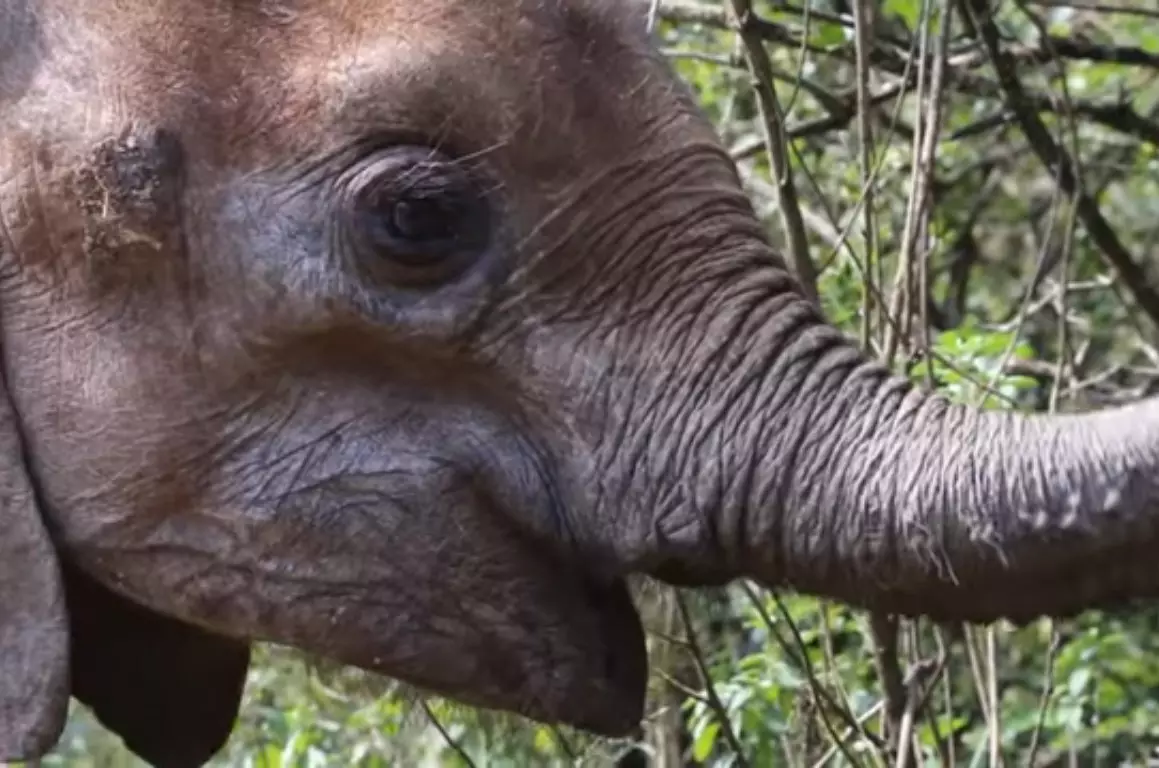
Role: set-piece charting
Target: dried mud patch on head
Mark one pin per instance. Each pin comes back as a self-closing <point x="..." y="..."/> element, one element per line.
<point x="129" y="191"/>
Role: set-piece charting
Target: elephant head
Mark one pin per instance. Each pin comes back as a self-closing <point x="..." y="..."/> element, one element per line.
<point x="404" y="333"/>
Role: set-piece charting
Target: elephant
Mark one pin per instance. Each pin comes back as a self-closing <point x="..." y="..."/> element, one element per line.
<point x="405" y="334"/>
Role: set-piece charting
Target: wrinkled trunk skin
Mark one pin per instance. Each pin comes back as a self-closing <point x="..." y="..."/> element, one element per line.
<point x="920" y="506"/>
<point x="735" y="433"/>
<point x="833" y="476"/>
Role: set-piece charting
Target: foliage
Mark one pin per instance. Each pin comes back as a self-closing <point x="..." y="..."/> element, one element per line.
<point x="1003" y="296"/>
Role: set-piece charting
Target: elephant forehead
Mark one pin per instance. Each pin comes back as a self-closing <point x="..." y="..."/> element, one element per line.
<point x="266" y="80"/>
<point x="555" y="81"/>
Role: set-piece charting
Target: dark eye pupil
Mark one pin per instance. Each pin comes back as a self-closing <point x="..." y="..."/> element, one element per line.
<point x="422" y="220"/>
<point x="416" y="223"/>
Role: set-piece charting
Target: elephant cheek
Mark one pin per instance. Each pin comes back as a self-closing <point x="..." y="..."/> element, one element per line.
<point x="413" y="575"/>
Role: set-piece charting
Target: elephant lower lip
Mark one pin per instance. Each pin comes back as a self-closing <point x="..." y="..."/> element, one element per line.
<point x="613" y="702"/>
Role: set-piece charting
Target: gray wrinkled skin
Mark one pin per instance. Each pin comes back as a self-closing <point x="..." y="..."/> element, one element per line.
<point x="242" y="424"/>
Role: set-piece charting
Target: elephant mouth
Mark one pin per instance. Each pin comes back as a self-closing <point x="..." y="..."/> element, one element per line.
<point x="610" y="684"/>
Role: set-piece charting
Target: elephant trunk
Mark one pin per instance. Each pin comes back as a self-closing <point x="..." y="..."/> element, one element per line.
<point x="739" y="434"/>
<point x="871" y="491"/>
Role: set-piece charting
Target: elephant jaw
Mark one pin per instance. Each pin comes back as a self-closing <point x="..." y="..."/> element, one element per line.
<point x="594" y="681"/>
<point x="600" y="684"/>
<point x="611" y="701"/>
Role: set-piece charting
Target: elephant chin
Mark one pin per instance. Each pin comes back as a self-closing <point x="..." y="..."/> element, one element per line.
<point x="589" y="669"/>
<point x="610" y="702"/>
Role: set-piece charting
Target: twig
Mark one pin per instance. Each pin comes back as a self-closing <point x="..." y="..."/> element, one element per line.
<point x="712" y="699"/>
<point x="1090" y="5"/>
<point x="454" y="745"/>
<point x="917" y="694"/>
<point x="653" y="13"/>
<point x="776" y="146"/>
<point x="1058" y="160"/>
<point x="839" y="747"/>
<point x="995" y="732"/>
<point x="884" y="631"/>
<point x="1047" y="693"/>
<point x="815" y="686"/>
<point x="863" y="26"/>
<point x="969" y="642"/>
<point x="900" y="308"/>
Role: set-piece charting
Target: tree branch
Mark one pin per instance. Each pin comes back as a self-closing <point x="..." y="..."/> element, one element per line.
<point x="1058" y="162"/>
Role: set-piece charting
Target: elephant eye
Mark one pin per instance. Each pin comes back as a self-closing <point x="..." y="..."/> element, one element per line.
<point x="419" y="219"/>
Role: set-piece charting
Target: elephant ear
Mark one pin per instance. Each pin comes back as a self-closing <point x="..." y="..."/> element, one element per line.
<point x="34" y="641"/>
<point x="170" y="690"/>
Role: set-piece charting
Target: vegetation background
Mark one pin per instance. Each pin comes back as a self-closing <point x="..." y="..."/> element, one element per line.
<point x="973" y="188"/>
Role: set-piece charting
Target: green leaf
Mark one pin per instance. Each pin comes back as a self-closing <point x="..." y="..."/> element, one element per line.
<point x="1076" y="684"/>
<point x="908" y="10"/>
<point x="826" y="33"/>
<point x="705" y="741"/>
<point x="1149" y="40"/>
